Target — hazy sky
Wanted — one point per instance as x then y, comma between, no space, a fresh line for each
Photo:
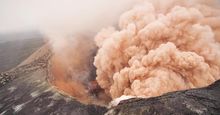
17,15
23,15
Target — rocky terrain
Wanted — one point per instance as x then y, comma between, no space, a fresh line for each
204,101
25,90
40,63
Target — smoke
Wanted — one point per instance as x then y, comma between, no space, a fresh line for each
160,46
70,29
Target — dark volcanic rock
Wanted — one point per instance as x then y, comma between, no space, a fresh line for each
24,90
203,101
40,63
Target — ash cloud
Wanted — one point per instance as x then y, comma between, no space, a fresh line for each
161,46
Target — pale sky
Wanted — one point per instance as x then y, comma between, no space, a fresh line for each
17,15
24,15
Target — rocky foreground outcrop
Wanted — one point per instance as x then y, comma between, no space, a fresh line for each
203,101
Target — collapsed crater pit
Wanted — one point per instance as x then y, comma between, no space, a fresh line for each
72,72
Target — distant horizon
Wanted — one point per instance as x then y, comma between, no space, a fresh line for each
20,32
23,35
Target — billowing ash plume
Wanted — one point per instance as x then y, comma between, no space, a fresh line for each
160,47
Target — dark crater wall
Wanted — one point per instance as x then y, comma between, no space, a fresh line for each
203,101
